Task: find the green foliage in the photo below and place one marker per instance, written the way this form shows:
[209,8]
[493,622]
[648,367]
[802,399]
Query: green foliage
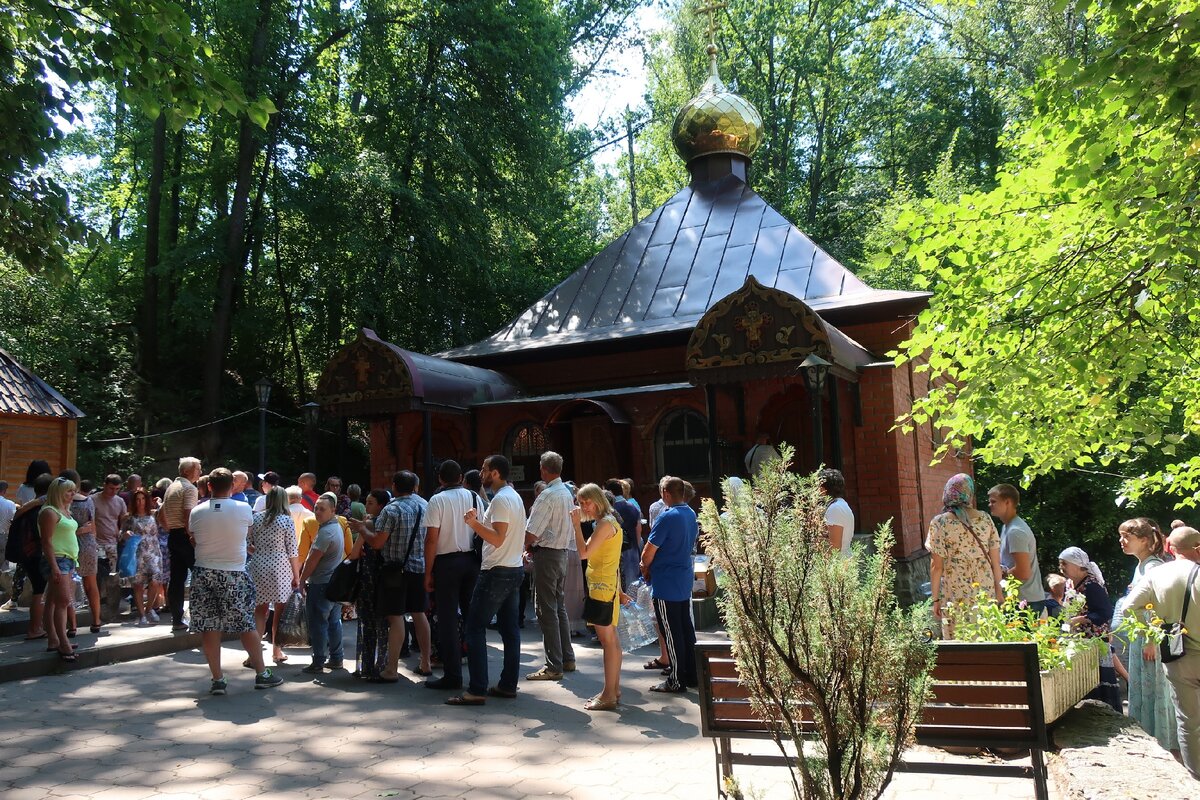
[1012,620]
[1064,297]
[815,631]
[50,53]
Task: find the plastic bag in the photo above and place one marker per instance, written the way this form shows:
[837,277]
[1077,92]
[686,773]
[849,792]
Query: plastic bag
[635,625]
[293,623]
[127,561]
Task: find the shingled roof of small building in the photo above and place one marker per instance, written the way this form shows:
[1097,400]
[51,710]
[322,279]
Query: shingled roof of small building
[22,392]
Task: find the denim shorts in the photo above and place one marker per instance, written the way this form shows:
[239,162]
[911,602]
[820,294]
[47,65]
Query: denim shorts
[65,566]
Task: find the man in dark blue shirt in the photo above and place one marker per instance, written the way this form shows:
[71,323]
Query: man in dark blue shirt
[667,564]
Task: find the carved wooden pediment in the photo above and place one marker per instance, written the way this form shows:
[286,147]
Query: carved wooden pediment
[755,332]
[365,376]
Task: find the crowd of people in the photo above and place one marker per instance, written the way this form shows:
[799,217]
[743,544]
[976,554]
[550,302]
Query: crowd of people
[428,575]
[968,554]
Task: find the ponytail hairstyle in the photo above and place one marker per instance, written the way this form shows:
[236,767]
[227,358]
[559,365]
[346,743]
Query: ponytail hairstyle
[1147,530]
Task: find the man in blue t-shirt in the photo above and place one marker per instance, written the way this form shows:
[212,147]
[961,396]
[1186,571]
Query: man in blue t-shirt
[667,565]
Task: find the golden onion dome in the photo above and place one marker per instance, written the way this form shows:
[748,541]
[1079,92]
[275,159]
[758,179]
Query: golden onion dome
[716,120]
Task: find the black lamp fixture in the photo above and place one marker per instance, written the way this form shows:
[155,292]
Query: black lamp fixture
[311,412]
[815,371]
[262,393]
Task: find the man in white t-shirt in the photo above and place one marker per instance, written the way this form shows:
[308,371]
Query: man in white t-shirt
[839,518]
[451,567]
[222,593]
[498,589]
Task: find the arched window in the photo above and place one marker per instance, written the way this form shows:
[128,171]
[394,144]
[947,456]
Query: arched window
[682,445]
[524,446]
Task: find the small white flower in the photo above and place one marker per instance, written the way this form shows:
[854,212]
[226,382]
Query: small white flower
[1066,628]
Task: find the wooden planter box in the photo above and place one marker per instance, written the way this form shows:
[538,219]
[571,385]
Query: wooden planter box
[1063,688]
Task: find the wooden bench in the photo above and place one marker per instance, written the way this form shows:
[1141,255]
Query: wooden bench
[984,695]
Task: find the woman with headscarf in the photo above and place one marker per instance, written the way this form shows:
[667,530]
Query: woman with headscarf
[1093,619]
[965,553]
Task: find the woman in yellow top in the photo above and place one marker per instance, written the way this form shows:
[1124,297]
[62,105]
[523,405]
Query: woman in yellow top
[60,548]
[603,554]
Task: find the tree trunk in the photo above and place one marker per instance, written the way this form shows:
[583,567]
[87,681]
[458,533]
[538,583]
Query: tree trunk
[148,335]
[233,259]
[114,225]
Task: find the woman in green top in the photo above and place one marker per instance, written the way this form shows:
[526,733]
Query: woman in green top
[60,548]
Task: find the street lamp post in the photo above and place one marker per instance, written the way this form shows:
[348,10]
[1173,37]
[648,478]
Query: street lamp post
[815,371]
[262,392]
[311,412]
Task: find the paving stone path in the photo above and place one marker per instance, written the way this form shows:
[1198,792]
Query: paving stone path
[148,729]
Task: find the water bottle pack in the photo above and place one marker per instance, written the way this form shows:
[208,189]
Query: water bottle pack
[636,624]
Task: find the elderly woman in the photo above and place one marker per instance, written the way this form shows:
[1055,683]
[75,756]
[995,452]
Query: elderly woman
[371,653]
[148,575]
[965,553]
[1093,619]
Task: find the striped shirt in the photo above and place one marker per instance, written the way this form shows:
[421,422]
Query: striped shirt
[550,517]
[178,503]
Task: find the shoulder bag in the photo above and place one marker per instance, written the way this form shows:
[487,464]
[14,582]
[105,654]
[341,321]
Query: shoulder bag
[1171,647]
[392,576]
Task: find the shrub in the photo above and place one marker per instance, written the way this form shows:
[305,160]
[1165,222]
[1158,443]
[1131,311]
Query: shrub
[820,636]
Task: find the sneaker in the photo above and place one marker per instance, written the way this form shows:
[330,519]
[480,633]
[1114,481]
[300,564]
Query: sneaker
[544,674]
[143,622]
[314,669]
[266,679]
[218,686]
[152,615]
[568,666]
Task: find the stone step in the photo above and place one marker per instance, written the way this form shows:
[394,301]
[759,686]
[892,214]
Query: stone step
[121,641]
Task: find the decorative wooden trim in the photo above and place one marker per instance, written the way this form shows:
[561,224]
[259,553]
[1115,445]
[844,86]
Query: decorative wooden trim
[753,333]
[365,377]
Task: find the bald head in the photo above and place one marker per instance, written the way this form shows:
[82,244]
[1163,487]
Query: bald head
[1185,542]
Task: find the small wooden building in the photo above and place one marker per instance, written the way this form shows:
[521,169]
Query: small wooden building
[669,352]
[35,422]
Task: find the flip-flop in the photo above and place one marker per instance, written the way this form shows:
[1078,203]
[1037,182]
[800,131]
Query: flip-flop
[655,663]
[34,638]
[280,660]
[55,649]
[68,656]
[95,629]
[424,673]
[465,700]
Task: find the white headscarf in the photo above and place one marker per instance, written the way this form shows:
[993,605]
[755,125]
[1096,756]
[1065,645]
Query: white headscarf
[1076,556]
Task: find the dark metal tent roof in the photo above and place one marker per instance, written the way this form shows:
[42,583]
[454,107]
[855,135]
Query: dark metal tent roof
[22,392]
[369,376]
[663,274]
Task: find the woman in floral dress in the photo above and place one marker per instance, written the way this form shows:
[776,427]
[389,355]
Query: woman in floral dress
[149,572]
[1150,700]
[274,563]
[965,553]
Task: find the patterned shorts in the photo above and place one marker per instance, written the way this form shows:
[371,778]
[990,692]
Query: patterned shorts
[222,601]
[87,555]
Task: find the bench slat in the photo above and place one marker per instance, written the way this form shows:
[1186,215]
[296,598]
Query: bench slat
[726,689]
[1010,673]
[977,694]
[977,717]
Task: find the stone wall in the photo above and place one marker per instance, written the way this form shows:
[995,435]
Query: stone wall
[1103,755]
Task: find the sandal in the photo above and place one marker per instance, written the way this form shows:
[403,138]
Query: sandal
[56,650]
[71,633]
[424,673]
[496,691]
[68,656]
[35,638]
[93,629]
[596,704]
[280,659]
[466,700]
[656,663]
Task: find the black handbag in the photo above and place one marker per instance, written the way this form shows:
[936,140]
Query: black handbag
[343,583]
[392,576]
[1171,647]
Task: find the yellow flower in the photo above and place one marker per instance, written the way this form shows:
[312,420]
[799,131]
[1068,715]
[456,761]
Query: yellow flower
[975,585]
[1149,606]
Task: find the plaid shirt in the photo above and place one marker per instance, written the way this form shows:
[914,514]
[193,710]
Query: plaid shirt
[397,519]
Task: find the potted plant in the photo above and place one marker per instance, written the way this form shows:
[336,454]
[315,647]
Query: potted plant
[1069,659]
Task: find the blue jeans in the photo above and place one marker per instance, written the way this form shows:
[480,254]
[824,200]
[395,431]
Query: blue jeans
[324,625]
[498,593]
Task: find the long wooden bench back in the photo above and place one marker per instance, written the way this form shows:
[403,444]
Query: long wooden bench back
[984,695]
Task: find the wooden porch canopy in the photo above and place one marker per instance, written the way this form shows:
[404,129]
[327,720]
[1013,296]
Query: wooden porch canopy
[760,332]
[370,377]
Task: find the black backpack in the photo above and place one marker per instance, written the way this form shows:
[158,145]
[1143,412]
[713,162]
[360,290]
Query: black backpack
[24,539]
